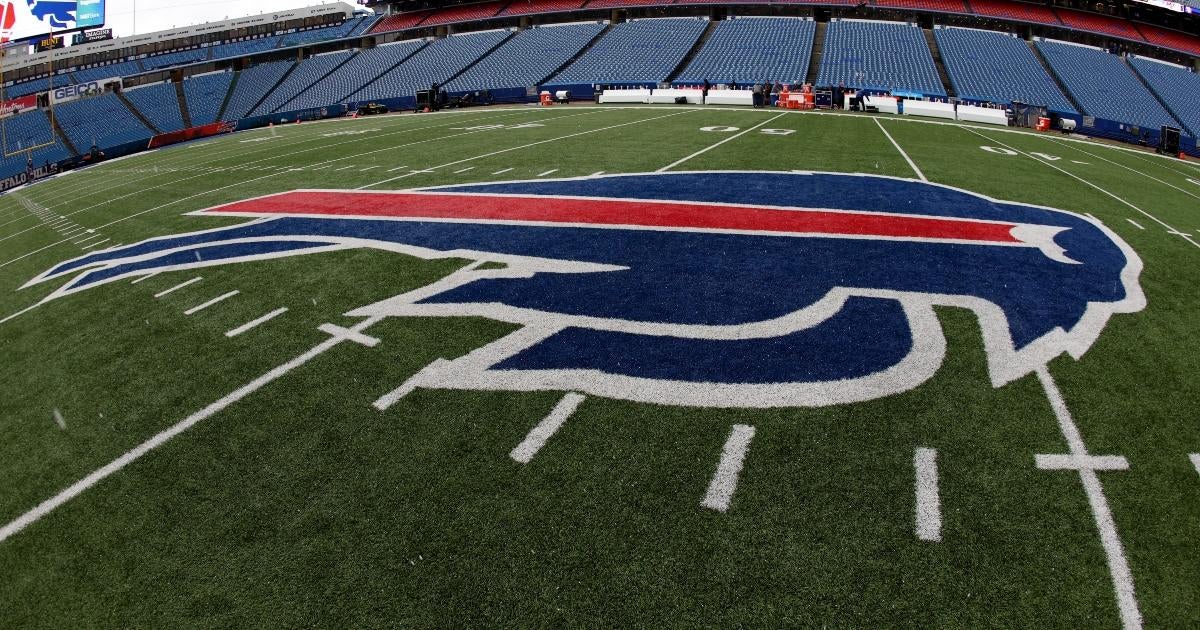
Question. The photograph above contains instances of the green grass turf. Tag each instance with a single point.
(303, 505)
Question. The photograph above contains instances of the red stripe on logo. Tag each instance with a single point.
(620, 212)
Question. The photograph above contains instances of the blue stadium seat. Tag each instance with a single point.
(435, 63)
(204, 95)
(29, 130)
(527, 58)
(159, 104)
(325, 33)
(102, 120)
(750, 50)
(122, 69)
(1104, 86)
(637, 51)
(997, 67)
(36, 85)
(306, 73)
(1177, 86)
(889, 56)
(247, 47)
(252, 84)
(177, 58)
(350, 78)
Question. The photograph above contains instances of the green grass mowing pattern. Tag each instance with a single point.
(302, 505)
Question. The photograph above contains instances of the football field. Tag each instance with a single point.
(625, 366)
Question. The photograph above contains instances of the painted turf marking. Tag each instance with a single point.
(220, 298)
(533, 144)
(929, 507)
(1078, 459)
(340, 332)
(392, 170)
(553, 170)
(464, 170)
(1142, 173)
(503, 170)
(145, 277)
(1135, 224)
(96, 244)
(1188, 237)
(908, 159)
(255, 322)
(716, 144)
(177, 287)
(546, 429)
(1195, 457)
(75, 489)
(725, 479)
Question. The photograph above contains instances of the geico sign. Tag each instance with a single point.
(72, 92)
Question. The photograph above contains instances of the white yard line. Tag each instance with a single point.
(1187, 237)
(530, 144)
(903, 154)
(220, 298)
(545, 429)
(146, 277)
(75, 489)
(716, 144)
(929, 507)
(1114, 551)
(178, 286)
(1142, 172)
(96, 244)
(725, 480)
(256, 322)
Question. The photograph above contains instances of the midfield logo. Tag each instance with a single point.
(716, 289)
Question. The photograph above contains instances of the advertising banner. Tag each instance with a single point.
(183, 135)
(34, 19)
(15, 106)
(80, 90)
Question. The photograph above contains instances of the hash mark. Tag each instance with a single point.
(1135, 224)
(546, 429)
(219, 298)
(255, 322)
(553, 170)
(929, 509)
(725, 480)
(178, 286)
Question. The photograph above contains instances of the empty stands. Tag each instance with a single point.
(531, 7)
(997, 67)
(749, 50)
(247, 47)
(252, 84)
(465, 13)
(159, 104)
(1103, 85)
(1097, 23)
(103, 120)
(435, 63)
(324, 33)
(637, 51)
(304, 75)
(37, 85)
(110, 71)
(350, 78)
(527, 58)
(941, 6)
(178, 58)
(1016, 11)
(29, 130)
(204, 95)
(400, 21)
(878, 56)
(1178, 87)
(1173, 40)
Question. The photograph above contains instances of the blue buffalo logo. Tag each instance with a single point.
(721, 289)
(56, 13)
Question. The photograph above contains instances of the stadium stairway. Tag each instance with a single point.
(481, 57)
(272, 89)
(183, 107)
(228, 95)
(582, 51)
(145, 121)
(691, 54)
(818, 48)
(62, 136)
(1037, 53)
(938, 63)
(1165, 103)
(382, 70)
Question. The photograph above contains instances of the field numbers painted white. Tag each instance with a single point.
(1046, 156)
(778, 132)
(997, 150)
(719, 129)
